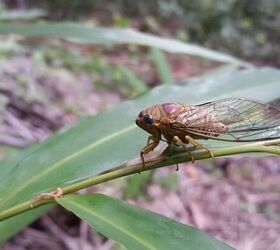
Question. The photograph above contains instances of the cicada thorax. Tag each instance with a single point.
(173, 110)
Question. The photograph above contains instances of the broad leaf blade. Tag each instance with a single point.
(100, 143)
(92, 35)
(137, 228)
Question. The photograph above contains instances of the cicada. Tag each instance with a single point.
(234, 119)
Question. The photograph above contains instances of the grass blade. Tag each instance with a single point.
(162, 66)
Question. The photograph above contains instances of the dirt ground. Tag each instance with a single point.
(236, 200)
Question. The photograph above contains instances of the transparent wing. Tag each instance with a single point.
(231, 120)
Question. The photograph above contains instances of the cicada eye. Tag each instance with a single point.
(148, 119)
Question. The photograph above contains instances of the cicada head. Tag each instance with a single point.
(149, 118)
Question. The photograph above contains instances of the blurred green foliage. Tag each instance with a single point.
(103, 73)
(247, 28)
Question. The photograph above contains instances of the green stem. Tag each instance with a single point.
(164, 160)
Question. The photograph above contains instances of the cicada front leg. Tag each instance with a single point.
(150, 138)
(148, 148)
(198, 145)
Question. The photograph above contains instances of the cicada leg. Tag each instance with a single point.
(150, 147)
(177, 141)
(150, 138)
(198, 145)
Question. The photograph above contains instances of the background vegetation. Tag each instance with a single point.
(246, 28)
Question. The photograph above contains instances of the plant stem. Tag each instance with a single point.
(165, 159)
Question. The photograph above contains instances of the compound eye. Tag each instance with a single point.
(148, 119)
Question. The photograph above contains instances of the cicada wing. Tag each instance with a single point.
(234, 119)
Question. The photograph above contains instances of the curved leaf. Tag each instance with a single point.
(137, 228)
(107, 140)
(92, 35)
(163, 68)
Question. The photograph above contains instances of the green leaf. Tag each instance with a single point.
(162, 66)
(92, 35)
(107, 140)
(137, 228)
(223, 70)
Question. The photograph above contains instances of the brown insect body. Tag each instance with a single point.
(234, 119)
(167, 114)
